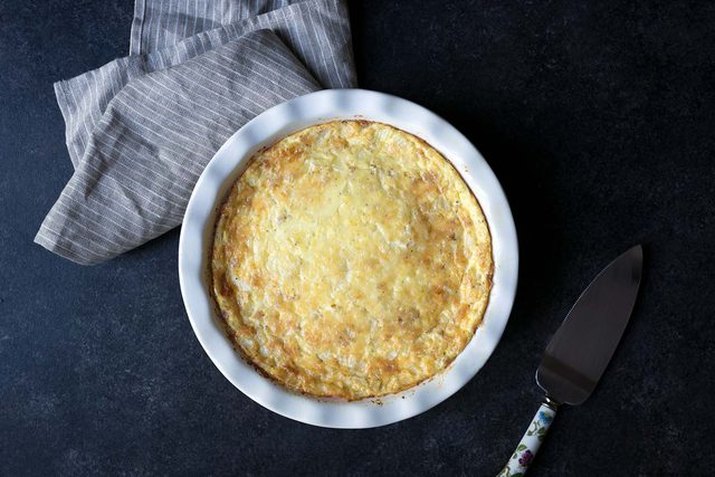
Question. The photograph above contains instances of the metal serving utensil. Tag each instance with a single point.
(581, 349)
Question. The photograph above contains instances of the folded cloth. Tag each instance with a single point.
(141, 129)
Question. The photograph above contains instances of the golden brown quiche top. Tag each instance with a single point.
(351, 260)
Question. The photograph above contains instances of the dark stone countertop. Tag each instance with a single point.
(597, 117)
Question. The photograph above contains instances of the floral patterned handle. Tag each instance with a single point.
(530, 443)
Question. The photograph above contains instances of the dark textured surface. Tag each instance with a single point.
(597, 118)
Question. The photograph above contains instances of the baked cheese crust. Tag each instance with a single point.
(351, 260)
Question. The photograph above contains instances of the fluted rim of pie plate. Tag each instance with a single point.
(231, 160)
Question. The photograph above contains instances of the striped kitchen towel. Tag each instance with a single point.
(140, 129)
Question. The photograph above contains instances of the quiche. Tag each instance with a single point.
(350, 260)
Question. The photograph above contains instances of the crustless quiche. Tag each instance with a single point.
(351, 260)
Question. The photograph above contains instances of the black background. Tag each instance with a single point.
(598, 119)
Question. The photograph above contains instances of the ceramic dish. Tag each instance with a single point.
(231, 160)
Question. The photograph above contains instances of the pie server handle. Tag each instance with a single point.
(531, 441)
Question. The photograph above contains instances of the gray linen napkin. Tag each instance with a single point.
(141, 129)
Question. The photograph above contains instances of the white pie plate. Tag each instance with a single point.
(231, 160)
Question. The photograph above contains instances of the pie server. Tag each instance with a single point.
(581, 349)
